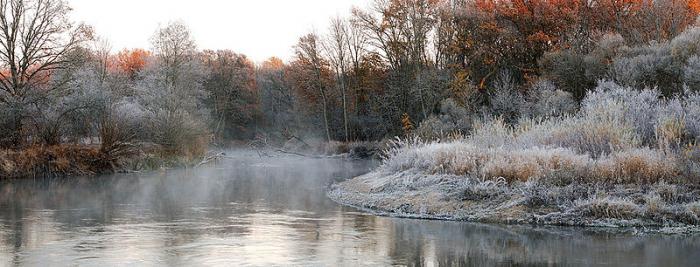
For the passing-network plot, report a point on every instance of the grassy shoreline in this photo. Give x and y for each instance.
(627, 158)
(70, 160)
(450, 197)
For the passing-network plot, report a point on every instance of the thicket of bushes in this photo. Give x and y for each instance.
(621, 135)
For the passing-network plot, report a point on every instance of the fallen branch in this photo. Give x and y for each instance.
(214, 158)
(298, 154)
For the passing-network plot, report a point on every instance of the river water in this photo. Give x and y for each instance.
(251, 211)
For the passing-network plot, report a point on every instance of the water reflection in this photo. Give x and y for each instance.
(274, 212)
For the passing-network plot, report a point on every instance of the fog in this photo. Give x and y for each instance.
(248, 210)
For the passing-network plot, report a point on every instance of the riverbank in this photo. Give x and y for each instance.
(86, 160)
(453, 197)
(627, 158)
(89, 160)
(53, 161)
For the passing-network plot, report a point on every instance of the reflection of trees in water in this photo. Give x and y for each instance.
(486, 245)
(180, 206)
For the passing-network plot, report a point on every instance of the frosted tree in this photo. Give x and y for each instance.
(35, 38)
(171, 89)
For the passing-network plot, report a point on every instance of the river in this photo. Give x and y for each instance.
(252, 211)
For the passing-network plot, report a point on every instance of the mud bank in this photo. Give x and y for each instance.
(659, 207)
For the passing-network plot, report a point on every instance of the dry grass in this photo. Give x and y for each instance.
(62, 160)
(639, 165)
(607, 207)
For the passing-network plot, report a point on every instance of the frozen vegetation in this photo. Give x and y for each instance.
(628, 157)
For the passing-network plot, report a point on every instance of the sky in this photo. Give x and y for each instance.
(257, 28)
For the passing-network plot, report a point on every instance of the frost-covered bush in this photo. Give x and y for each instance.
(544, 99)
(452, 119)
(588, 135)
(462, 157)
(504, 99)
(691, 73)
(671, 131)
(648, 66)
(664, 65)
(67, 113)
(578, 73)
(121, 125)
(686, 44)
(624, 107)
(178, 132)
(173, 106)
(691, 107)
(478, 190)
(493, 133)
(620, 136)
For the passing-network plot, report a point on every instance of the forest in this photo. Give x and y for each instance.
(592, 77)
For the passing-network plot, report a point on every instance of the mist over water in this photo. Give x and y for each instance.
(273, 211)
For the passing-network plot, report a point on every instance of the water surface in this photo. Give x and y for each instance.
(251, 211)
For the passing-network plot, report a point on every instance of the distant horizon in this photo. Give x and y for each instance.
(214, 24)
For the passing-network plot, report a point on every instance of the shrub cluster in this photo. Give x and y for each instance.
(620, 136)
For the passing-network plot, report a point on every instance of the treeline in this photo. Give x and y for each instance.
(396, 66)
(60, 84)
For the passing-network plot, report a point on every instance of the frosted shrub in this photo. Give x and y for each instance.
(694, 207)
(177, 132)
(686, 44)
(525, 164)
(476, 190)
(665, 65)
(584, 135)
(545, 100)
(670, 125)
(691, 107)
(505, 101)
(620, 136)
(120, 126)
(434, 128)
(647, 66)
(452, 119)
(493, 133)
(691, 73)
(624, 106)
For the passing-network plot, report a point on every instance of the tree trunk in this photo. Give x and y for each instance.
(420, 92)
(341, 79)
(325, 117)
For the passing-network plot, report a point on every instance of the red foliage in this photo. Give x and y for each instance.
(132, 61)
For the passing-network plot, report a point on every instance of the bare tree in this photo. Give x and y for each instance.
(337, 49)
(174, 47)
(312, 63)
(35, 38)
(357, 43)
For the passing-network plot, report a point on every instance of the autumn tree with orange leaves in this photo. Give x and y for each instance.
(132, 61)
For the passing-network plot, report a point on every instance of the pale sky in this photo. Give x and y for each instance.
(258, 28)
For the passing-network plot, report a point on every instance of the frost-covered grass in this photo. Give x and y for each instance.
(620, 136)
(627, 158)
